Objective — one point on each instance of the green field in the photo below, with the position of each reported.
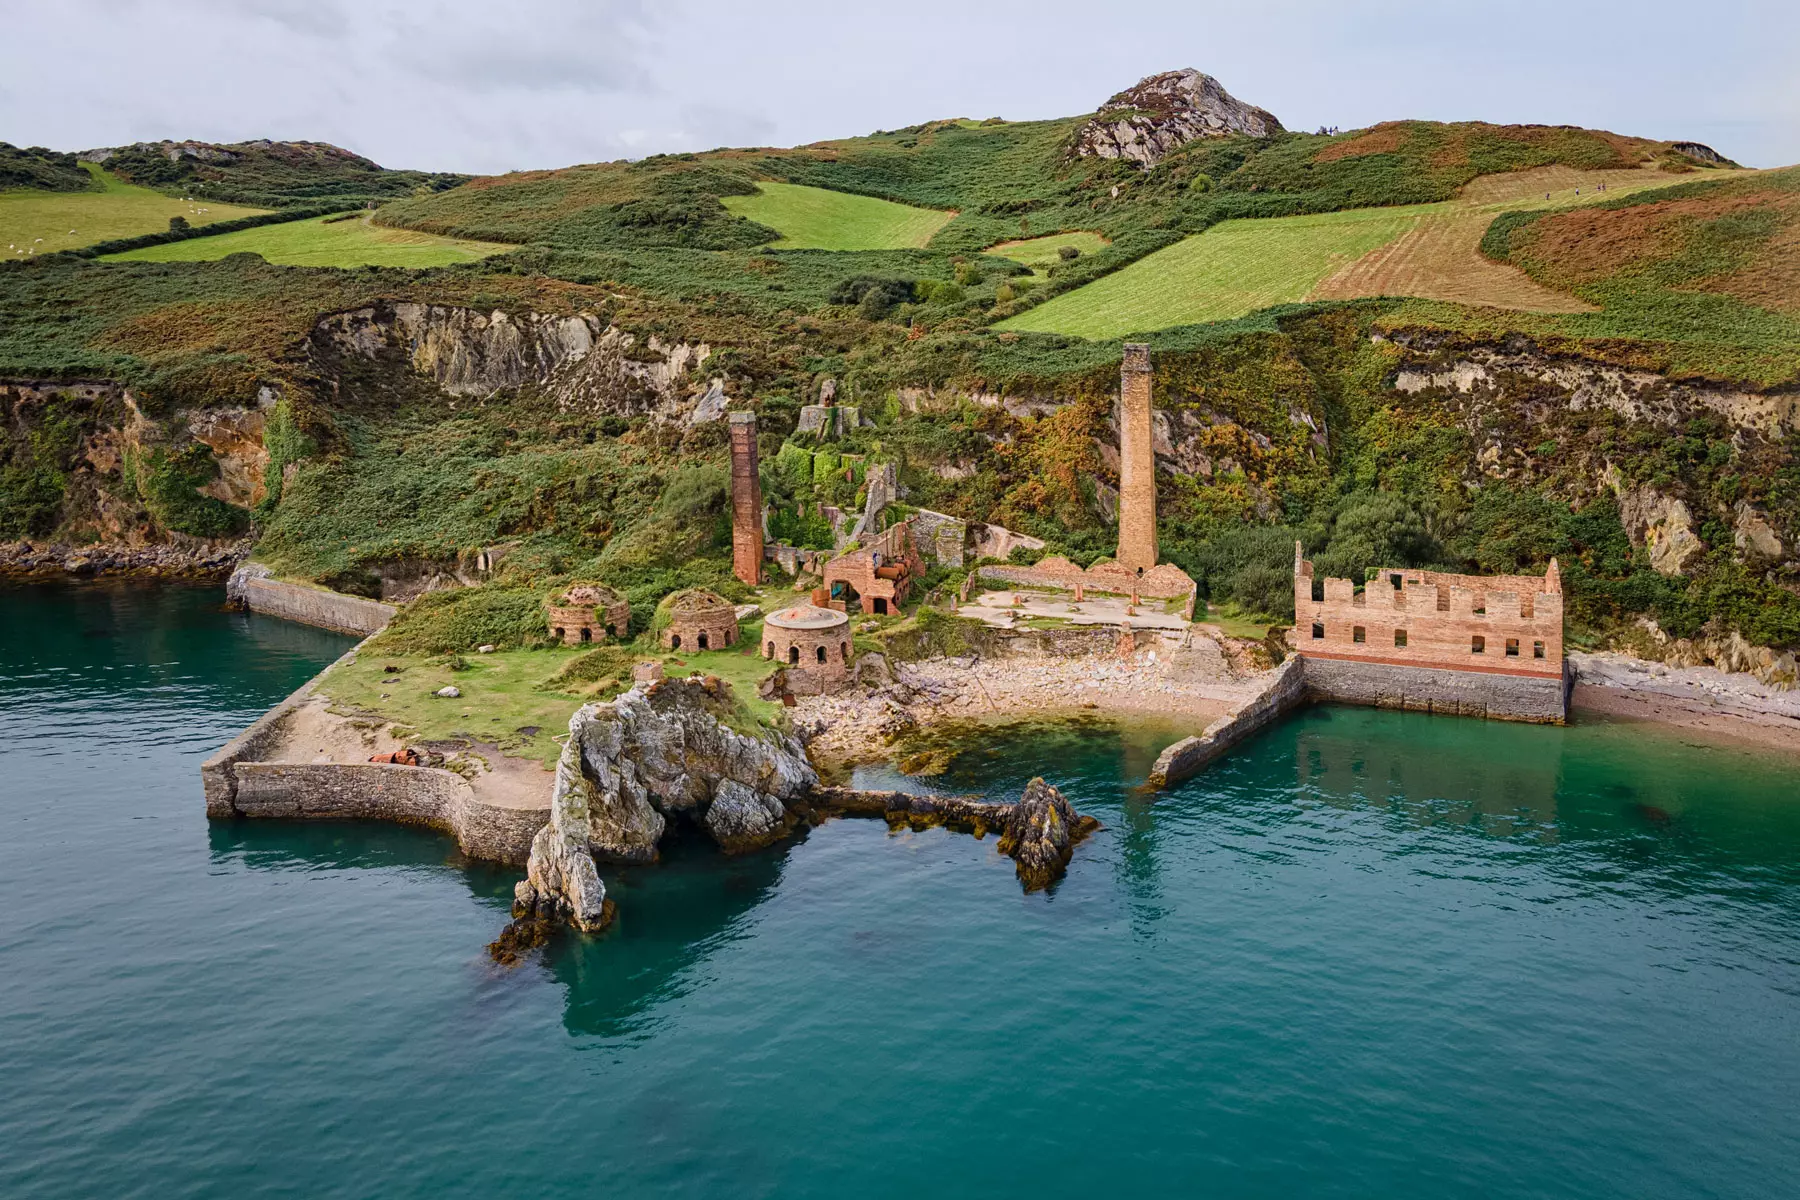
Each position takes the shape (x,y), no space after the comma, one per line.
(323,242)
(34,221)
(1040,252)
(810,218)
(1234,268)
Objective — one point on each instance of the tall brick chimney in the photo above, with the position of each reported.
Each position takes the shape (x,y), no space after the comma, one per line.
(1137,462)
(746,501)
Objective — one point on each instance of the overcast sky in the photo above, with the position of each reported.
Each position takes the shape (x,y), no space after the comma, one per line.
(496,85)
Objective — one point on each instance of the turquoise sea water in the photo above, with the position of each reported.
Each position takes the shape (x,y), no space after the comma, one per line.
(1374,954)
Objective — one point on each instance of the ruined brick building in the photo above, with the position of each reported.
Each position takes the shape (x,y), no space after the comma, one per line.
(813,643)
(698,620)
(879,575)
(1477,645)
(588,612)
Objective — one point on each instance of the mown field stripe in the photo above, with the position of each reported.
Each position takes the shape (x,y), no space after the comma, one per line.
(810,218)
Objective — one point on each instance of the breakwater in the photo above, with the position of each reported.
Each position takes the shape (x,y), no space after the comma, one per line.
(252,587)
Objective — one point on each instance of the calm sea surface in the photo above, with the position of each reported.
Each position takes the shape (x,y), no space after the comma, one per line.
(1374,954)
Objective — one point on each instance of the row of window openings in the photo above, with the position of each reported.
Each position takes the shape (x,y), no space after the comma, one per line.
(794,653)
(1477,643)
(1526,608)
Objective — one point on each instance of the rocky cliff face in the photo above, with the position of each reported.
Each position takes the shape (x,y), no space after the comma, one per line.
(661,752)
(1144,123)
(585,365)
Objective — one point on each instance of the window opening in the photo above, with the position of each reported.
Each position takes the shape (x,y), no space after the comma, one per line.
(1318,630)
(793,656)
(1512,647)
(1358,634)
(1477,645)
(1537,649)
(1399,637)
(1318,590)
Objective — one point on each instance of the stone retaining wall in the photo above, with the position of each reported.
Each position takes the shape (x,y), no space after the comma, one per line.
(1429,689)
(1286,688)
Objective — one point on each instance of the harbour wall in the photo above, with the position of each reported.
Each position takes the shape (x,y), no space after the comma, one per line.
(1305,678)
(239,782)
(308,605)
(1286,689)
(1534,698)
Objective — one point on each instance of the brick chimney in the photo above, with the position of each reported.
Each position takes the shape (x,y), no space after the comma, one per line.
(746,501)
(1137,462)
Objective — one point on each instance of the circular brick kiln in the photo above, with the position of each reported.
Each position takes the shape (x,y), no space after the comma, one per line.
(698,620)
(812,638)
(588,612)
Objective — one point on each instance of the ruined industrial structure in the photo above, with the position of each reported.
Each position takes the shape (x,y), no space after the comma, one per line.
(698,620)
(1475,645)
(1137,462)
(813,643)
(746,501)
(588,612)
(879,575)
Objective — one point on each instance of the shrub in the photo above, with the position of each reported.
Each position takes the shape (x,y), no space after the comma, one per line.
(168,482)
(1068,253)
(445,622)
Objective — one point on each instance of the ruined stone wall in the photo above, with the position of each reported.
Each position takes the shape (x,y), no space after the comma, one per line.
(1500,624)
(1538,699)
(570,622)
(1164,582)
(1137,462)
(746,501)
(701,631)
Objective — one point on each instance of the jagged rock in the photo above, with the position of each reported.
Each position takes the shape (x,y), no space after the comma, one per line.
(1754,536)
(741,818)
(562,882)
(1163,112)
(1041,832)
(710,406)
(1664,525)
(662,748)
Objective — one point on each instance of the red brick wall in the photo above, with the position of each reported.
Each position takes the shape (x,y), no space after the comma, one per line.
(1441,616)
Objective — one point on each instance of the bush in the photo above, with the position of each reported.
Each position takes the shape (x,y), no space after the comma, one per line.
(1068,253)
(1265,590)
(857,289)
(168,482)
(455,619)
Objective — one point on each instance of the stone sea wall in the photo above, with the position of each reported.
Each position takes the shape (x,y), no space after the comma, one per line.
(1426,689)
(1286,688)
(251,587)
(239,783)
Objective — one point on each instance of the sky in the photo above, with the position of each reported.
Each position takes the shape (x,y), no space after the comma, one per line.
(484,87)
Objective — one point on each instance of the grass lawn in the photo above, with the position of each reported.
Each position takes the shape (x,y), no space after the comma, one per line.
(505,700)
(33,220)
(322,242)
(812,218)
(1040,252)
(1234,268)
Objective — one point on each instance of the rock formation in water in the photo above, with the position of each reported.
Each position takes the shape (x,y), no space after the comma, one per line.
(1164,112)
(1041,832)
(664,750)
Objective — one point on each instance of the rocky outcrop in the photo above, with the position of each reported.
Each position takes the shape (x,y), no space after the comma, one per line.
(182,557)
(584,364)
(1728,652)
(1754,537)
(662,751)
(1581,384)
(1143,124)
(1663,525)
(1041,832)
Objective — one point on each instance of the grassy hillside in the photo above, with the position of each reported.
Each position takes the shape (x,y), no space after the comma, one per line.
(1232,269)
(268,174)
(1040,253)
(322,242)
(42,222)
(811,218)
(36,167)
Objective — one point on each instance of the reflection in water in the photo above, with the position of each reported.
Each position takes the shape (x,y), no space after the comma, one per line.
(1506,787)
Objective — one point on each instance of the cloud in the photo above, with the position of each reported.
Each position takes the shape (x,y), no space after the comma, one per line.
(478,86)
